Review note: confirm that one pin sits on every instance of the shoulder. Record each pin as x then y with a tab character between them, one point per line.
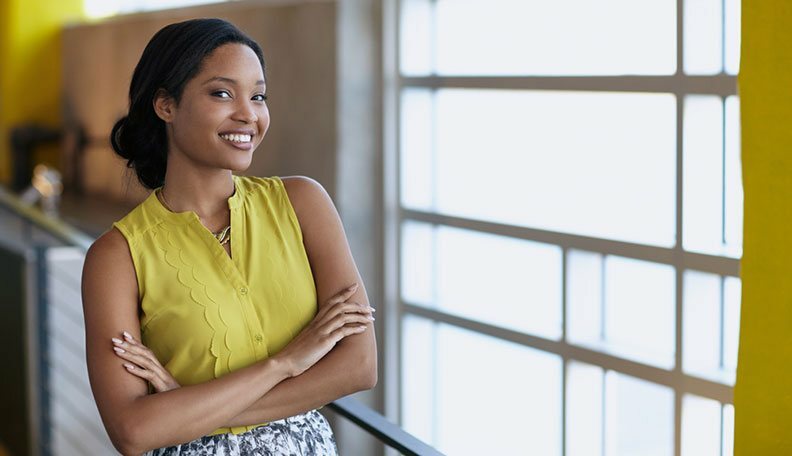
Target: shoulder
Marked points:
306	195
108	262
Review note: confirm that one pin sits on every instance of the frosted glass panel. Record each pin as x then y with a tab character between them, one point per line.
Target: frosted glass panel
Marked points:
701	426
703	174
522	404
417	268
561	161
703	36
416	133
584	296
639	417
416	37
584	396
639	310
732	36
417	377
500	280
561	37
701	334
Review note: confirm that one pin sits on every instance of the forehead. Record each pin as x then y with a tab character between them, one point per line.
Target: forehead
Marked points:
234	61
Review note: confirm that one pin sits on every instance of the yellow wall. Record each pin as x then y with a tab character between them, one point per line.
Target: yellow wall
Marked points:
763	393
30	67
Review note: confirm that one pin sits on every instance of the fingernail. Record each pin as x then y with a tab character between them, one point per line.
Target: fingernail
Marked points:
118	341
362	328
371	318
119	350
372	309
353	287
129	366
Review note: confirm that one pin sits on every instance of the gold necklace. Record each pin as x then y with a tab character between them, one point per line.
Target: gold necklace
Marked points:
223	236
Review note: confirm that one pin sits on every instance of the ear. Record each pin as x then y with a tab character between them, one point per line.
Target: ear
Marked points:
164	105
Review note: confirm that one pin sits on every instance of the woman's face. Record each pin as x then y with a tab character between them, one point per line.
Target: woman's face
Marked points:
222	115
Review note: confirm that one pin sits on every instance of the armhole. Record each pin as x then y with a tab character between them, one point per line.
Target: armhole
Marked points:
286	201
128	237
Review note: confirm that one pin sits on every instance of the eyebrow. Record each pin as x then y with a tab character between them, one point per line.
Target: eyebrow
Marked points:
229	80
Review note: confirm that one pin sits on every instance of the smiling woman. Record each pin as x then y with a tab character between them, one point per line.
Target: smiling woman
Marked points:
219	312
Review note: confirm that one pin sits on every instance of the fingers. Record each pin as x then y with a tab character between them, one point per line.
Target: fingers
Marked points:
345	319
143	363
345	331
347	308
343	295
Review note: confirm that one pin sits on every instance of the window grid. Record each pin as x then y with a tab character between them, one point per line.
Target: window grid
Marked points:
679	84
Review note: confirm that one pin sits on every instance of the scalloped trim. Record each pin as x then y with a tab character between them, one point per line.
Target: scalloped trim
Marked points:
187	276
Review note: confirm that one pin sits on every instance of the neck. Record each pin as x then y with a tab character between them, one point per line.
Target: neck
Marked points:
207	196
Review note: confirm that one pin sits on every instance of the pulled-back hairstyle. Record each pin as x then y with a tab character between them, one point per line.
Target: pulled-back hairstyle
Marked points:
172	57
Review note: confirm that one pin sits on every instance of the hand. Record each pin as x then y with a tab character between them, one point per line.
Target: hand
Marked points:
334	321
143	363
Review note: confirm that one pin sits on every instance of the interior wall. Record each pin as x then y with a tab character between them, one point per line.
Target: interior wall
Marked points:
30	69
763	403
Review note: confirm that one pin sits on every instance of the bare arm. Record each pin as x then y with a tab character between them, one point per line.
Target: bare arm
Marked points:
352	365
136	421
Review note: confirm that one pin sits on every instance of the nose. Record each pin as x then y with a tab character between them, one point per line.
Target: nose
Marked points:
245	112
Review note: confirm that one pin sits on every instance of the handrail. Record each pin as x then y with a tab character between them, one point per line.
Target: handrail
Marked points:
381	428
53	226
363	416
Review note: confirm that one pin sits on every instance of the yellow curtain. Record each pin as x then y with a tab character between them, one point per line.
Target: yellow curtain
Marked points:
763	393
30	67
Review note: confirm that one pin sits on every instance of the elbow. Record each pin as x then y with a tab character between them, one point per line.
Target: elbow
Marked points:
367	375
125	439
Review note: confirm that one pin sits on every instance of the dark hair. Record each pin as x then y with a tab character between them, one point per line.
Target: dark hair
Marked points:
172	57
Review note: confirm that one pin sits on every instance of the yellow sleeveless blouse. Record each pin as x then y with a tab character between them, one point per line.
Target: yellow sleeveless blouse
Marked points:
205	314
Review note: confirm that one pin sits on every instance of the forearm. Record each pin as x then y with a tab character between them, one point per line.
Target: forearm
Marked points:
350	367
186	413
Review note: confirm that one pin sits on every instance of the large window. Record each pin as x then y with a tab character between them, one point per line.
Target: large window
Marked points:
569	224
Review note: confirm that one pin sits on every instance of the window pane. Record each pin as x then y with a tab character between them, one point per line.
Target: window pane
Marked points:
701	426
417	376
639	310
560	161
636	320
728	430
522	404
702	321
732	290
703	36
584	394
417	269
562	37
703	174
733	231
416	37
504	281
417	170
584	296
639	417
732	36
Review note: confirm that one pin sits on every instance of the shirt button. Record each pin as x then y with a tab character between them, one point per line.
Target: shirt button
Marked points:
243	290
259	338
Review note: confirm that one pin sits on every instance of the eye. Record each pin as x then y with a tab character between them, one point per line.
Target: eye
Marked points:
260	97
221	94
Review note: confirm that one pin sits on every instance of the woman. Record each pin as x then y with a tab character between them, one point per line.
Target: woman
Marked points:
226	299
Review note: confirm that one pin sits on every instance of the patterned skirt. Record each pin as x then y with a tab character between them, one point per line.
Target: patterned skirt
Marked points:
308	434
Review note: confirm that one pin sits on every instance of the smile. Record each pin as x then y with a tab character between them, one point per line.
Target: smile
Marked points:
240	139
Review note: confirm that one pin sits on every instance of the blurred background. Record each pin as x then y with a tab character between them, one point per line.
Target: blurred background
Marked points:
544	199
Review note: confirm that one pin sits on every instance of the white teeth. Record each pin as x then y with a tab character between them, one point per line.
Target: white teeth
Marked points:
236	138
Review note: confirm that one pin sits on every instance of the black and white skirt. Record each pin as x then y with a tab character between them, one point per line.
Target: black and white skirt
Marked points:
307	434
